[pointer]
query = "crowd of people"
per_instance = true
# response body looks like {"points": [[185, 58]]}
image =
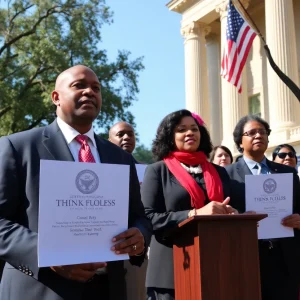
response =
{"points": [[182, 183], [189, 177]]}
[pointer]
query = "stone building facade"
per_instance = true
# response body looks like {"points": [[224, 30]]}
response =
{"points": [[203, 27]]}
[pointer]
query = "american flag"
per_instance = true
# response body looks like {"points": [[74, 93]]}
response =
{"points": [[239, 37]]}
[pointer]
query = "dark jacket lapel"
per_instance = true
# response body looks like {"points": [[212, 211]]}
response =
{"points": [[104, 155], [104, 147], [272, 166], [55, 143], [242, 169]]}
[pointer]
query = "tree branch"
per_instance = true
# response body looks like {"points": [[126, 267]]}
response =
{"points": [[112, 74], [18, 13], [28, 84], [12, 73], [49, 12], [35, 123], [3, 111], [42, 83]]}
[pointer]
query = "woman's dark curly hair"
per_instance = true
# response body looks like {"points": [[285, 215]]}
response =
{"points": [[223, 148], [279, 147], [164, 142], [239, 129]]}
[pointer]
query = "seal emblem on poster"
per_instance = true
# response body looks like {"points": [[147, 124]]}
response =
{"points": [[87, 181], [270, 185]]}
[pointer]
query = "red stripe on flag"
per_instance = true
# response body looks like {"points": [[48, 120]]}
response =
{"points": [[238, 45], [244, 59]]}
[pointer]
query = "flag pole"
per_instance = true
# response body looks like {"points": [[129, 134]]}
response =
{"points": [[288, 81]]}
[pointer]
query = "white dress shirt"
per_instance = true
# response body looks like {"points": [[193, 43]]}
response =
{"points": [[70, 133]]}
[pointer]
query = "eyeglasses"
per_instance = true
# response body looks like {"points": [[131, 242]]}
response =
{"points": [[254, 132], [283, 155]]}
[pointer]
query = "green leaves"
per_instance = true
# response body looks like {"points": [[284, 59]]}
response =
{"points": [[40, 39], [143, 155]]}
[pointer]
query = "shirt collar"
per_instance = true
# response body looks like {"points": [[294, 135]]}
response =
{"points": [[70, 133], [251, 163]]}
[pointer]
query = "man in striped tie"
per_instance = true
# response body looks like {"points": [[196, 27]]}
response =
{"points": [[69, 138]]}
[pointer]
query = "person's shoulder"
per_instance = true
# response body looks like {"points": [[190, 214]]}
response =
{"points": [[137, 162], [280, 167], [218, 168], [221, 170], [24, 136], [109, 145], [157, 166], [114, 149], [231, 167]]}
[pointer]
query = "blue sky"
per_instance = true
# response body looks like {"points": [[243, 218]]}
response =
{"points": [[149, 29]]}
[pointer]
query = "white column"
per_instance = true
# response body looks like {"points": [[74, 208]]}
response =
{"points": [[284, 110], [196, 70], [233, 103], [244, 94], [214, 87]]}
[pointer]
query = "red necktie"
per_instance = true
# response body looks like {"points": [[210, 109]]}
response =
{"points": [[85, 153]]}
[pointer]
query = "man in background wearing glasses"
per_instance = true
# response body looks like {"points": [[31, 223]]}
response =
{"points": [[279, 258]]}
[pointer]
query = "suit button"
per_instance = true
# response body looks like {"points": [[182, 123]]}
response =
{"points": [[20, 268], [26, 269], [26, 273], [30, 273]]}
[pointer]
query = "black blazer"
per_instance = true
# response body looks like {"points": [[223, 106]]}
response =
{"points": [[290, 246], [20, 156], [167, 204]]}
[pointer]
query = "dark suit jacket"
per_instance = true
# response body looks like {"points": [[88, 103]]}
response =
{"points": [[290, 246], [167, 204], [20, 156], [1, 268]]}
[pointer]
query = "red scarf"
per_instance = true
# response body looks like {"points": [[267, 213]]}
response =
{"points": [[211, 176]]}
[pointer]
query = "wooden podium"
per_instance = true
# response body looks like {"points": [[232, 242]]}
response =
{"points": [[216, 258]]}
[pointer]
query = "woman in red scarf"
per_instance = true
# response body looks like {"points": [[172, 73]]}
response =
{"points": [[182, 183]]}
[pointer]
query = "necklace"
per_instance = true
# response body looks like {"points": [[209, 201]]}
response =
{"points": [[192, 170]]}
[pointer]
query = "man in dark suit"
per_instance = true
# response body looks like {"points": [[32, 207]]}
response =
{"points": [[122, 134], [279, 258], [78, 100]]}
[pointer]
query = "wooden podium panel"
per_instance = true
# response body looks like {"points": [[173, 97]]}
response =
{"points": [[216, 258]]}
